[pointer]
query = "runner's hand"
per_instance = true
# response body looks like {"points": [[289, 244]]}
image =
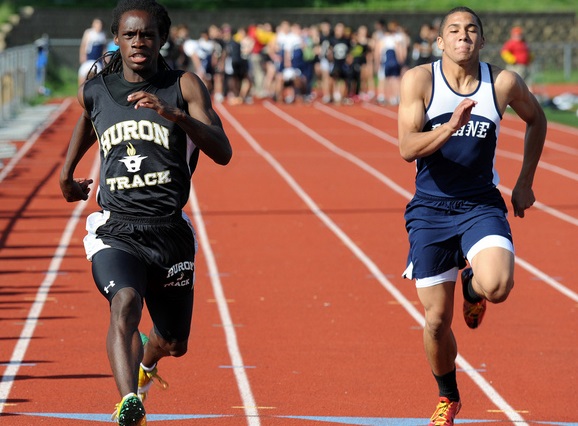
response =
{"points": [[76, 189], [144, 99], [522, 199]]}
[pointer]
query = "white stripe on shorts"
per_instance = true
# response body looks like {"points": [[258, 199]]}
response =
{"points": [[487, 242], [92, 244], [452, 274]]}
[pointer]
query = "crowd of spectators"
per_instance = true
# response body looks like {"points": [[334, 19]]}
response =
{"points": [[290, 62]]}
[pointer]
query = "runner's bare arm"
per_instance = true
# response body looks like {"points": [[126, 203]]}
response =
{"points": [[415, 92], [512, 90], [202, 124], [83, 137]]}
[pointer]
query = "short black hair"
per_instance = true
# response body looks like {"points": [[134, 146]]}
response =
{"points": [[461, 9], [151, 6]]}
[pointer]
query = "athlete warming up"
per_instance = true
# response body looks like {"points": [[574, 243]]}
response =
{"points": [[150, 123], [449, 120]]}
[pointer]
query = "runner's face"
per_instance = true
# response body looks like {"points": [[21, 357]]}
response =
{"points": [[461, 39], [139, 42]]}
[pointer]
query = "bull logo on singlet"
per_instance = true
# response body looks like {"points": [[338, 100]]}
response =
{"points": [[132, 161], [125, 132]]}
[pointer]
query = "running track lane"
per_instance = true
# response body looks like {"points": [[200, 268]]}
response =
{"points": [[305, 230]]}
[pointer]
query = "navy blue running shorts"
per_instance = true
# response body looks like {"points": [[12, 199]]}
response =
{"points": [[443, 234]]}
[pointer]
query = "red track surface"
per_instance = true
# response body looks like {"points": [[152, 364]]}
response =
{"points": [[306, 229]]}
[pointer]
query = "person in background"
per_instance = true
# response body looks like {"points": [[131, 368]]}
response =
{"points": [[422, 46], [181, 35], [218, 58], [361, 71], [435, 28], [448, 123], [338, 54], [390, 55], [261, 34], [323, 66], [141, 244], [236, 65], [169, 50], [42, 46], [202, 58], [310, 39], [516, 54], [92, 46], [291, 80]]}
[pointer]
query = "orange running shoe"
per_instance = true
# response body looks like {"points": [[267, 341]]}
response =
{"points": [[473, 312], [445, 412]]}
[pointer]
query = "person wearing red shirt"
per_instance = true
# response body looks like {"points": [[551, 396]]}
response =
{"points": [[516, 53]]}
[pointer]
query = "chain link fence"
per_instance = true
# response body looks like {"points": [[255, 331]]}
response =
{"points": [[21, 77]]}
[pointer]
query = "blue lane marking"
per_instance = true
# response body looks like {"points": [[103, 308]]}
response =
{"points": [[20, 363], [374, 421], [106, 417], [384, 421], [237, 366], [353, 421]]}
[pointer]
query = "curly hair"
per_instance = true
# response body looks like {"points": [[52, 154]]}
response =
{"points": [[150, 6], [113, 59]]}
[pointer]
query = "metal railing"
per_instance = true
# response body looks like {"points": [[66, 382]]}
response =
{"points": [[20, 79]]}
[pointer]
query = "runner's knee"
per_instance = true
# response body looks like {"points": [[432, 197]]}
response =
{"points": [[126, 307], [500, 294], [179, 349], [438, 323], [175, 349], [497, 290]]}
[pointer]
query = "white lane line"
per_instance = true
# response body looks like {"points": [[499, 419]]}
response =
{"points": [[42, 294], [538, 205], [506, 130], [249, 406], [564, 128], [32, 140], [483, 384], [543, 164]]}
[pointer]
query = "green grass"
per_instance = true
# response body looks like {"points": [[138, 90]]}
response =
{"points": [[444, 5], [398, 5], [555, 76], [568, 118], [6, 10], [61, 81]]}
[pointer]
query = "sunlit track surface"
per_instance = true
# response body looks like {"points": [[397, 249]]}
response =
{"points": [[301, 314], [301, 420]]}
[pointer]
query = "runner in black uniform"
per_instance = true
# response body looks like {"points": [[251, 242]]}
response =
{"points": [[150, 123]]}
